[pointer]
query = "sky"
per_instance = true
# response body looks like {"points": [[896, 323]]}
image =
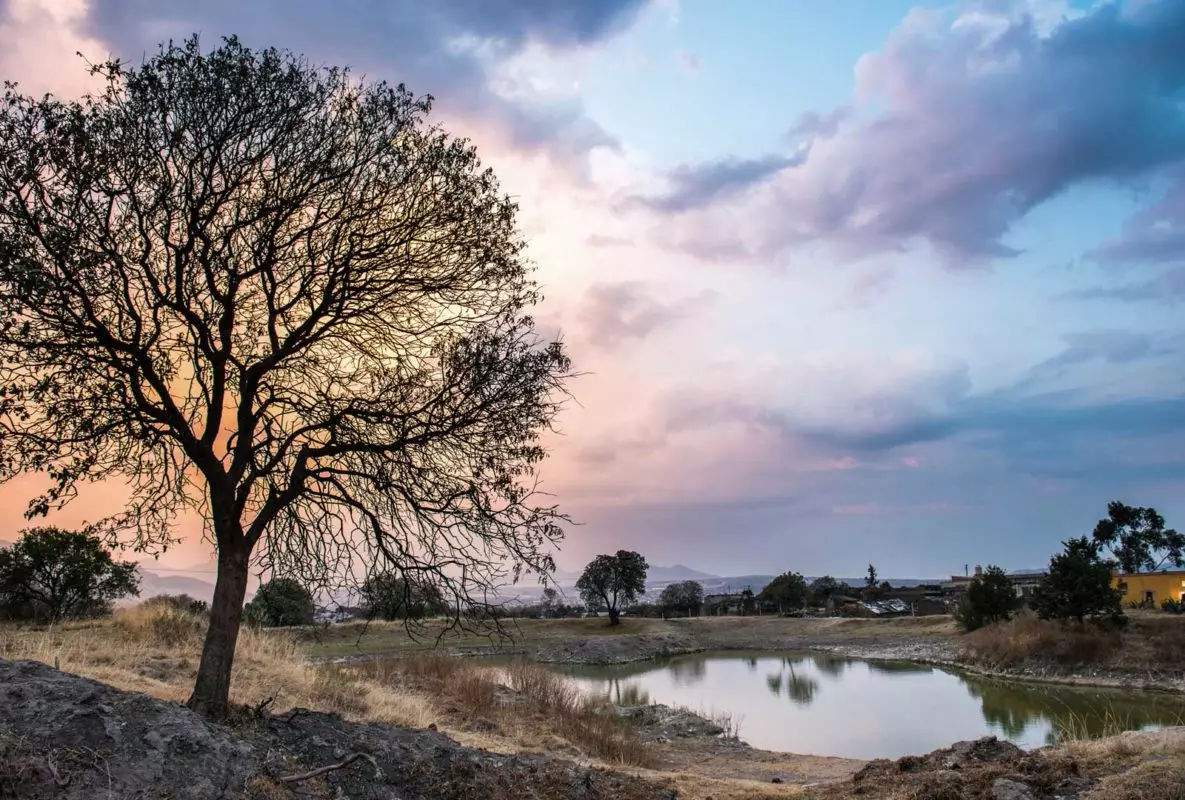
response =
{"points": [[873, 281]]}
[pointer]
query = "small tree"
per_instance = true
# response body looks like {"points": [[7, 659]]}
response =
{"points": [[389, 596], [685, 596], [786, 591], [548, 606], [1137, 539], [280, 603], [1078, 586], [613, 582], [823, 589], [260, 290], [989, 599], [748, 601], [51, 574], [870, 579]]}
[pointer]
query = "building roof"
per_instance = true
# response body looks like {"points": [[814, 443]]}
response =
{"points": [[1157, 573]]}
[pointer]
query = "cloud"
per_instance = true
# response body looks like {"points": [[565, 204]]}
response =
{"points": [[1155, 234], [812, 125], [693, 186], [1167, 287], [1108, 346], [451, 49], [960, 124], [614, 313]]}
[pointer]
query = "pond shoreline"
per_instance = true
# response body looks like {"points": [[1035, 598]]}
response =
{"points": [[933, 649]]}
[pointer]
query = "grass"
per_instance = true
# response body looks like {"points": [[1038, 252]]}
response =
{"points": [[1028, 639], [154, 649], [525, 700]]}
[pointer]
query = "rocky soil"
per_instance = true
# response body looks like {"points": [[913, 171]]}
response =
{"points": [[66, 737]]}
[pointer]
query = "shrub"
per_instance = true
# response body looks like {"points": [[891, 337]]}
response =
{"points": [[1172, 606], [178, 602], [280, 603], [1029, 639], [989, 599]]}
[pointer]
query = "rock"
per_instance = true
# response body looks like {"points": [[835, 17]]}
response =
{"points": [[1008, 789], [776, 779]]}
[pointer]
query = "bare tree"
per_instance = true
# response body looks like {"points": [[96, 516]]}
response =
{"points": [[273, 294]]}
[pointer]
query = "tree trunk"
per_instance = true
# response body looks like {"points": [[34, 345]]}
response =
{"points": [[614, 617], [211, 690]]}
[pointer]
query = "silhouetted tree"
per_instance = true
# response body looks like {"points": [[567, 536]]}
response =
{"points": [[990, 598], [390, 596], [748, 601], [1138, 540], [50, 574], [245, 285], [1078, 585], [823, 589], [685, 596], [550, 602], [786, 591], [613, 582], [870, 579], [280, 603]]}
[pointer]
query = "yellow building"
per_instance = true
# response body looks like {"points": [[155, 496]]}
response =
{"points": [[1151, 588]]}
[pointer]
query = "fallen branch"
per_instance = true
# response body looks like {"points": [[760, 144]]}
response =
{"points": [[345, 762], [258, 709], [53, 770]]}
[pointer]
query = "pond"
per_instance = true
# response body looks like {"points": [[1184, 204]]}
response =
{"points": [[825, 705]]}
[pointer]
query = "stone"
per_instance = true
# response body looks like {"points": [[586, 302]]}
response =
{"points": [[1008, 789]]}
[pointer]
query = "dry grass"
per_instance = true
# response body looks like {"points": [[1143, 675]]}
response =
{"points": [[529, 702], [1162, 780], [155, 650], [1028, 639]]}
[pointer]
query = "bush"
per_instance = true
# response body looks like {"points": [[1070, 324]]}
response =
{"points": [[280, 603], [178, 602], [1172, 606], [989, 599], [1029, 639]]}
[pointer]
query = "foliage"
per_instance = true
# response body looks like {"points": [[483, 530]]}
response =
{"points": [[613, 582], [786, 591], [51, 574], [390, 596], [685, 596], [748, 601], [1172, 606], [177, 602], [264, 291], [1138, 540], [1078, 586], [823, 589], [870, 579], [989, 599], [280, 603]]}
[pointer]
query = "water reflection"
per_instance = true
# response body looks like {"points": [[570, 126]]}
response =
{"points": [[845, 707]]}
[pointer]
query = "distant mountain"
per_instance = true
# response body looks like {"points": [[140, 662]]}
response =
{"points": [[678, 572], [153, 583]]}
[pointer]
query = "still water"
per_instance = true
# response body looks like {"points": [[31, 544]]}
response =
{"points": [[824, 705]]}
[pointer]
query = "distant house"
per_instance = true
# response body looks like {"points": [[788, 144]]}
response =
{"points": [[1150, 589]]}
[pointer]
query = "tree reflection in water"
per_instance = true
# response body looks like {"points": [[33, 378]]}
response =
{"points": [[688, 671], [1070, 713], [799, 688]]}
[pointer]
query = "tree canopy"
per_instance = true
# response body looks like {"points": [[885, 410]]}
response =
{"points": [[685, 596], [989, 599], [391, 596], [261, 290], [50, 574], [1078, 586], [1138, 540], [280, 603], [786, 591], [613, 582]]}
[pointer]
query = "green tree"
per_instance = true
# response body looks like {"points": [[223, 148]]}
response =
{"points": [[748, 601], [989, 599], [786, 591], [51, 574], [280, 603], [613, 582], [1137, 539], [389, 596], [823, 589], [1078, 586], [264, 291], [870, 579], [685, 596]]}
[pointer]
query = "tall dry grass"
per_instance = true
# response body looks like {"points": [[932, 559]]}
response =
{"points": [[154, 649], [1028, 639], [518, 698]]}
